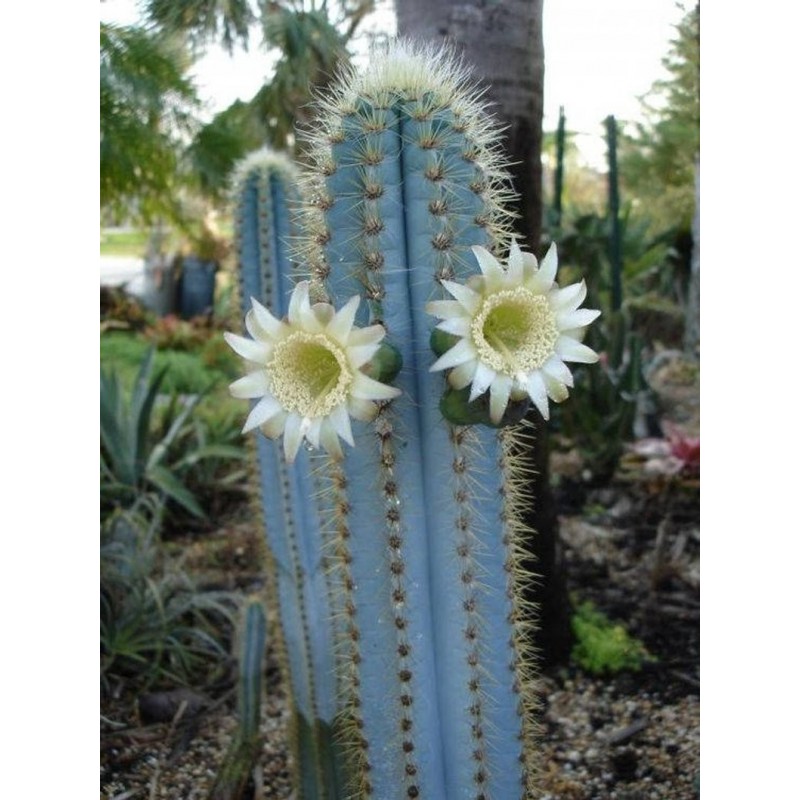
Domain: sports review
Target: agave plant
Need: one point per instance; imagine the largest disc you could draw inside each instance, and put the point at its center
(139, 451)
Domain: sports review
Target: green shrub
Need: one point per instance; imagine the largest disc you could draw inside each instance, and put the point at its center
(603, 647)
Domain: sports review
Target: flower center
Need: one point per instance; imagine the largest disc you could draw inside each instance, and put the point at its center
(309, 374)
(514, 331)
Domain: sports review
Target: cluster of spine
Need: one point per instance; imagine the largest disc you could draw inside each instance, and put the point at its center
(407, 175)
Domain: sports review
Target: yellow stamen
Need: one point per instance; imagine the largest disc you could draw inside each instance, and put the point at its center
(514, 331)
(309, 374)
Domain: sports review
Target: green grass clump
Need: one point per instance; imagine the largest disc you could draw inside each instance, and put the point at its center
(603, 647)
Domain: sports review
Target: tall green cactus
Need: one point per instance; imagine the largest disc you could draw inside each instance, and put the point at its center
(433, 666)
(398, 560)
(265, 196)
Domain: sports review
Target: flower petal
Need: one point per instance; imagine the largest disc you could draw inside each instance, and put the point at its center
(490, 266)
(445, 309)
(498, 397)
(312, 430)
(265, 320)
(569, 297)
(365, 388)
(254, 384)
(570, 350)
(460, 352)
(462, 375)
(579, 318)
(266, 408)
(458, 326)
(555, 388)
(556, 368)
(299, 305)
(371, 335)
(359, 355)
(340, 420)
(546, 274)
(515, 264)
(273, 427)
(466, 297)
(537, 391)
(364, 410)
(342, 322)
(330, 441)
(480, 383)
(248, 349)
(292, 436)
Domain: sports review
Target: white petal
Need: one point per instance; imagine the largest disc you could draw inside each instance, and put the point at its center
(444, 309)
(458, 326)
(490, 266)
(465, 296)
(366, 388)
(462, 375)
(556, 368)
(266, 408)
(549, 265)
(248, 349)
(579, 318)
(265, 320)
(311, 430)
(568, 298)
(299, 305)
(323, 312)
(292, 436)
(340, 420)
(330, 441)
(570, 350)
(371, 335)
(358, 356)
(254, 384)
(458, 354)
(498, 397)
(555, 388)
(364, 410)
(273, 428)
(342, 322)
(537, 391)
(480, 383)
(546, 274)
(514, 275)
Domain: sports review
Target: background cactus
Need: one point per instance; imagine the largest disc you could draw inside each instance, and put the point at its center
(265, 194)
(244, 750)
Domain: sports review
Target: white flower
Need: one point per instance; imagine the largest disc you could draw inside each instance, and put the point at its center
(306, 372)
(515, 330)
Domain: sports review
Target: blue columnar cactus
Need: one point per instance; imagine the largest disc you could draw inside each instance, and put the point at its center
(397, 561)
(434, 672)
(265, 195)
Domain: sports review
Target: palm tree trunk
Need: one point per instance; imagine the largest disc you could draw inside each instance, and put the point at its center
(503, 42)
